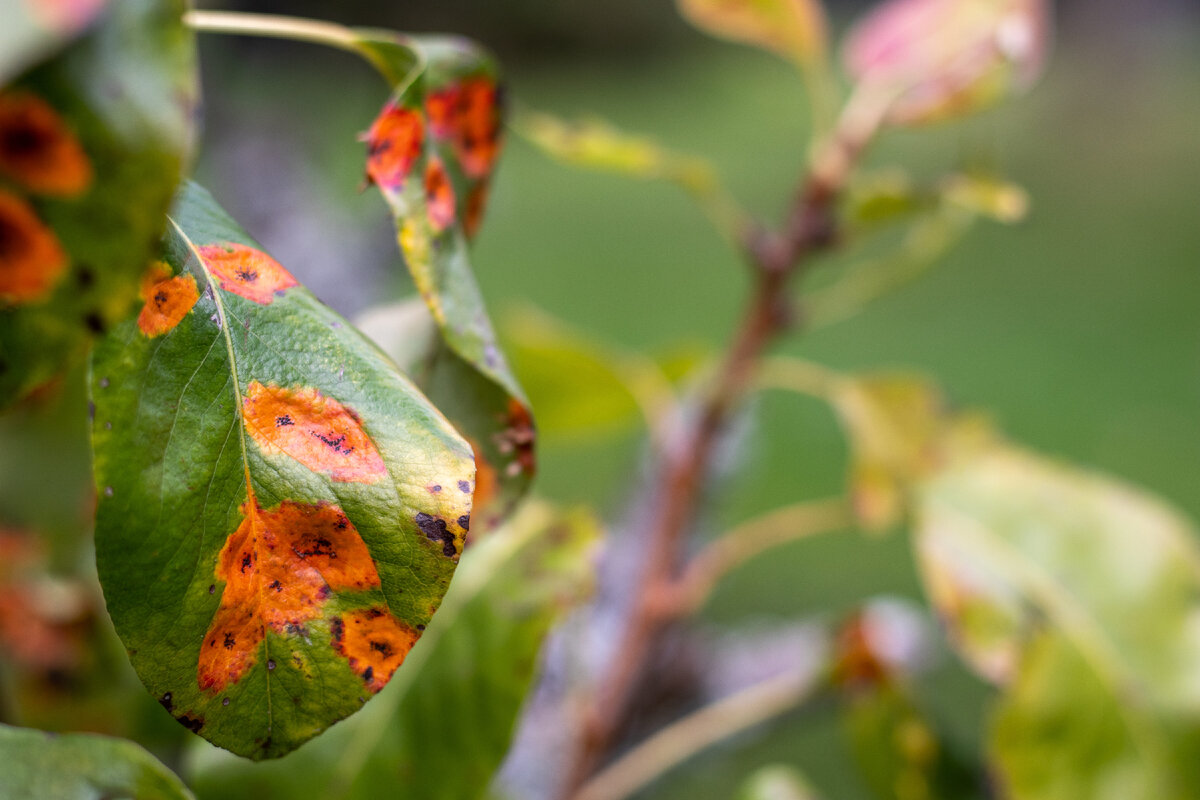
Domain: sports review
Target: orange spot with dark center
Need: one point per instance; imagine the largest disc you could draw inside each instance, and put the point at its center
(31, 259)
(477, 127)
(168, 299)
(518, 438)
(442, 109)
(279, 567)
(394, 144)
(476, 203)
(374, 642)
(246, 271)
(38, 150)
(439, 195)
(314, 429)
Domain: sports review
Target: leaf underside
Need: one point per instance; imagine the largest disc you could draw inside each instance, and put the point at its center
(280, 511)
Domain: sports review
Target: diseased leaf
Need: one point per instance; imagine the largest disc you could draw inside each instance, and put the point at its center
(795, 29)
(442, 727)
(81, 766)
(92, 145)
(280, 510)
(940, 59)
(431, 152)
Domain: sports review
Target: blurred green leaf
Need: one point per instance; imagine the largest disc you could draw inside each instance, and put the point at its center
(1006, 539)
(81, 766)
(1060, 733)
(431, 152)
(442, 727)
(106, 127)
(939, 59)
(777, 782)
(795, 29)
(280, 510)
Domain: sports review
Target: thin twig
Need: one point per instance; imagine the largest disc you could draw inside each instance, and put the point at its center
(675, 743)
(781, 526)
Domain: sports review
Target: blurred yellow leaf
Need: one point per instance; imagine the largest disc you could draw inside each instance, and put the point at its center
(795, 29)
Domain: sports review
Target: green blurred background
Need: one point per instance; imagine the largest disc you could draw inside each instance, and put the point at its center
(1077, 329)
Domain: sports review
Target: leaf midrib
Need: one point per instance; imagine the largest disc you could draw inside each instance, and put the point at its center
(223, 323)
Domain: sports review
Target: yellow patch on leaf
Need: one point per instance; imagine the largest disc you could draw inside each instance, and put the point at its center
(246, 271)
(168, 299)
(38, 150)
(316, 430)
(279, 568)
(31, 259)
(374, 642)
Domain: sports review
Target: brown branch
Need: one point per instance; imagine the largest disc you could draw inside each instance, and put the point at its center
(776, 258)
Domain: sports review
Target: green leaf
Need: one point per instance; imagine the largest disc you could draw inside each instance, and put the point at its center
(1060, 733)
(82, 208)
(1005, 539)
(280, 510)
(81, 766)
(442, 727)
(777, 782)
(795, 29)
(431, 152)
(939, 59)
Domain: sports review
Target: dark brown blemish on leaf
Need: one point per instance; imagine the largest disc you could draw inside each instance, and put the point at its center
(270, 663)
(464, 487)
(436, 531)
(166, 702)
(464, 522)
(212, 588)
(284, 421)
(230, 641)
(94, 322)
(193, 724)
(276, 585)
(225, 701)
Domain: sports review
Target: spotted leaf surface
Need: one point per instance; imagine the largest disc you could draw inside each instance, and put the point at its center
(81, 765)
(280, 510)
(431, 152)
(92, 145)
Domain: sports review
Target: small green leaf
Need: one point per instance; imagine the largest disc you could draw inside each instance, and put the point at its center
(81, 212)
(443, 726)
(81, 766)
(431, 152)
(795, 29)
(940, 59)
(280, 510)
(777, 782)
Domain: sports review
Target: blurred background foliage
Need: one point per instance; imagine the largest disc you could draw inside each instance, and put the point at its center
(1076, 329)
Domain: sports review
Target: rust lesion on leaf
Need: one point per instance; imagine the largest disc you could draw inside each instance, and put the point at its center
(394, 144)
(439, 195)
(280, 567)
(246, 271)
(32, 260)
(313, 428)
(168, 299)
(469, 115)
(37, 148)
(374, 642)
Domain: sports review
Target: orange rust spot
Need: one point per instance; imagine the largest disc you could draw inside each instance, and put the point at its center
(374, 642)
(38, 150)
(476, 202)
(394, 144)
(31, 259)
(246, 271)
(518, 438)
(477, 139)
(168, 299)
(316, 430)
(439, 195)
(441, 107)
(279, 568)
